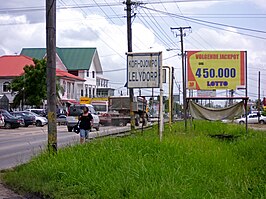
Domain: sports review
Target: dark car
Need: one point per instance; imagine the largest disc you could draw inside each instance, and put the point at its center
(28, 119)
(10, 120)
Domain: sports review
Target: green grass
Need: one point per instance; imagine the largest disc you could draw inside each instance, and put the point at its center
(184, 165)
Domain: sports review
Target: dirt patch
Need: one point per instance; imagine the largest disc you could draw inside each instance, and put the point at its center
(6, 193)
(261, 127)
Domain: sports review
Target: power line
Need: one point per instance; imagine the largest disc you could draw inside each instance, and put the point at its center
(163, 31)
(113, 4)
(157, 35)
(102, 31)
(196, 32)
(205, 23)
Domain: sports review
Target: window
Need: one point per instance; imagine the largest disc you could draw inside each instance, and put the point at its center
(89, 92)
(88, 73)
(6, 87)
(64, 87)
(81, 92)
(86, 91)
(93, 74)
(73, 91)
(68, 89)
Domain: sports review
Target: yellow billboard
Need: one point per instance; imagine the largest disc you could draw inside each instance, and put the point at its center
(88, 100)
(209, 70)
(84, 100)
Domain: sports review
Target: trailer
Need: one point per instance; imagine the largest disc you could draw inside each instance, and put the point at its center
(119, 110)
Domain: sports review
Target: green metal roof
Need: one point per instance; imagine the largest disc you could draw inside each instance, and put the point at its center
(37, 53)
(72, 58)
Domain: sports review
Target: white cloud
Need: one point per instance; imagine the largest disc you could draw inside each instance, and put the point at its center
(108, 38)
(75, 29)
(259, 3)
(14, 37)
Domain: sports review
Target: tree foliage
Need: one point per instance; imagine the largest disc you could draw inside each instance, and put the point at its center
(31, 88)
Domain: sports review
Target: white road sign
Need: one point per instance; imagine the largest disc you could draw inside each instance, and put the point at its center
(143, 70)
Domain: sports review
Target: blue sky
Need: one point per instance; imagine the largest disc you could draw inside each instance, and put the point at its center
(102, 24)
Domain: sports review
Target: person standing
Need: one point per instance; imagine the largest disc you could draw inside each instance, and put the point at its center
(85, 124)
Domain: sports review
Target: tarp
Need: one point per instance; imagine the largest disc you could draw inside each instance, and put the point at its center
(213, 114)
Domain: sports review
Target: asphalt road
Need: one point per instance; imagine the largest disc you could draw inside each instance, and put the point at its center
(17, 146)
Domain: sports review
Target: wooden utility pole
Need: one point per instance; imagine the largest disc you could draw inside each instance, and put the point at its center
(129, 45)
(172, 94)
(259, 99)
(51, 73)
(183, 73)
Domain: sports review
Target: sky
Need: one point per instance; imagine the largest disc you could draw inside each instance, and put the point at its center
(215, 25)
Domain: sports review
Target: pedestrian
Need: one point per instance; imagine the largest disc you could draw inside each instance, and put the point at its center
(85, 123)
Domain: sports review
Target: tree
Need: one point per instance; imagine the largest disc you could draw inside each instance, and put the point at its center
(30, 88)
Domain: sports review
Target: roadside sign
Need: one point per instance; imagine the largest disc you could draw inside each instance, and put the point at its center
(206, 93)
(84, 100)
(143, 69)
(209, 70)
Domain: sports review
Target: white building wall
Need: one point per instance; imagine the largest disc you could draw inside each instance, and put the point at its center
(59, 64)
(8, 94)
(89, 86)
(69, 89)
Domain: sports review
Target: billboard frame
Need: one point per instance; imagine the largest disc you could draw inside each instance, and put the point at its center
(245, 99)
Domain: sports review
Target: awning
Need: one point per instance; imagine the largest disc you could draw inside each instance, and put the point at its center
(69, 101)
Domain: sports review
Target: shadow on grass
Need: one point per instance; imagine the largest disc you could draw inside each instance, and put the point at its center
(225, 137)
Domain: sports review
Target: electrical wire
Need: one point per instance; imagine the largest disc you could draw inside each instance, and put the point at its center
(113, 4)
(205, 23)
(148, 25)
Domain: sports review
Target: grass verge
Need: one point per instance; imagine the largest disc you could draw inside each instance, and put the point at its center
(186, 164)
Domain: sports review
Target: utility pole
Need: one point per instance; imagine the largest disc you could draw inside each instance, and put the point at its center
(259, 99)
(51, 73)
(179, 100)
(129, 45)
(172, 94)
(231, 96)
(183, 72)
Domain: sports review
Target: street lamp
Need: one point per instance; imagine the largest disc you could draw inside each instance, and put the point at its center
(170, 49)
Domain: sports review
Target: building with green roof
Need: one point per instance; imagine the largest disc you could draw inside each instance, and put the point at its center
(82, 62)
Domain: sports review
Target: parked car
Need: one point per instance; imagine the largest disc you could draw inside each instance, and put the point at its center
(28, 119)
(61, 120)
(2, 121)
(21, 120)
(75, 111)
(252, 119)
(39, 120)
(40, 112)
(10, 120)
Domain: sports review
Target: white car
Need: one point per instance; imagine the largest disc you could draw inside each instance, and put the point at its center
(252, 119)
(40, 112)
(2, 121)
(40, 121)
(75, 111)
